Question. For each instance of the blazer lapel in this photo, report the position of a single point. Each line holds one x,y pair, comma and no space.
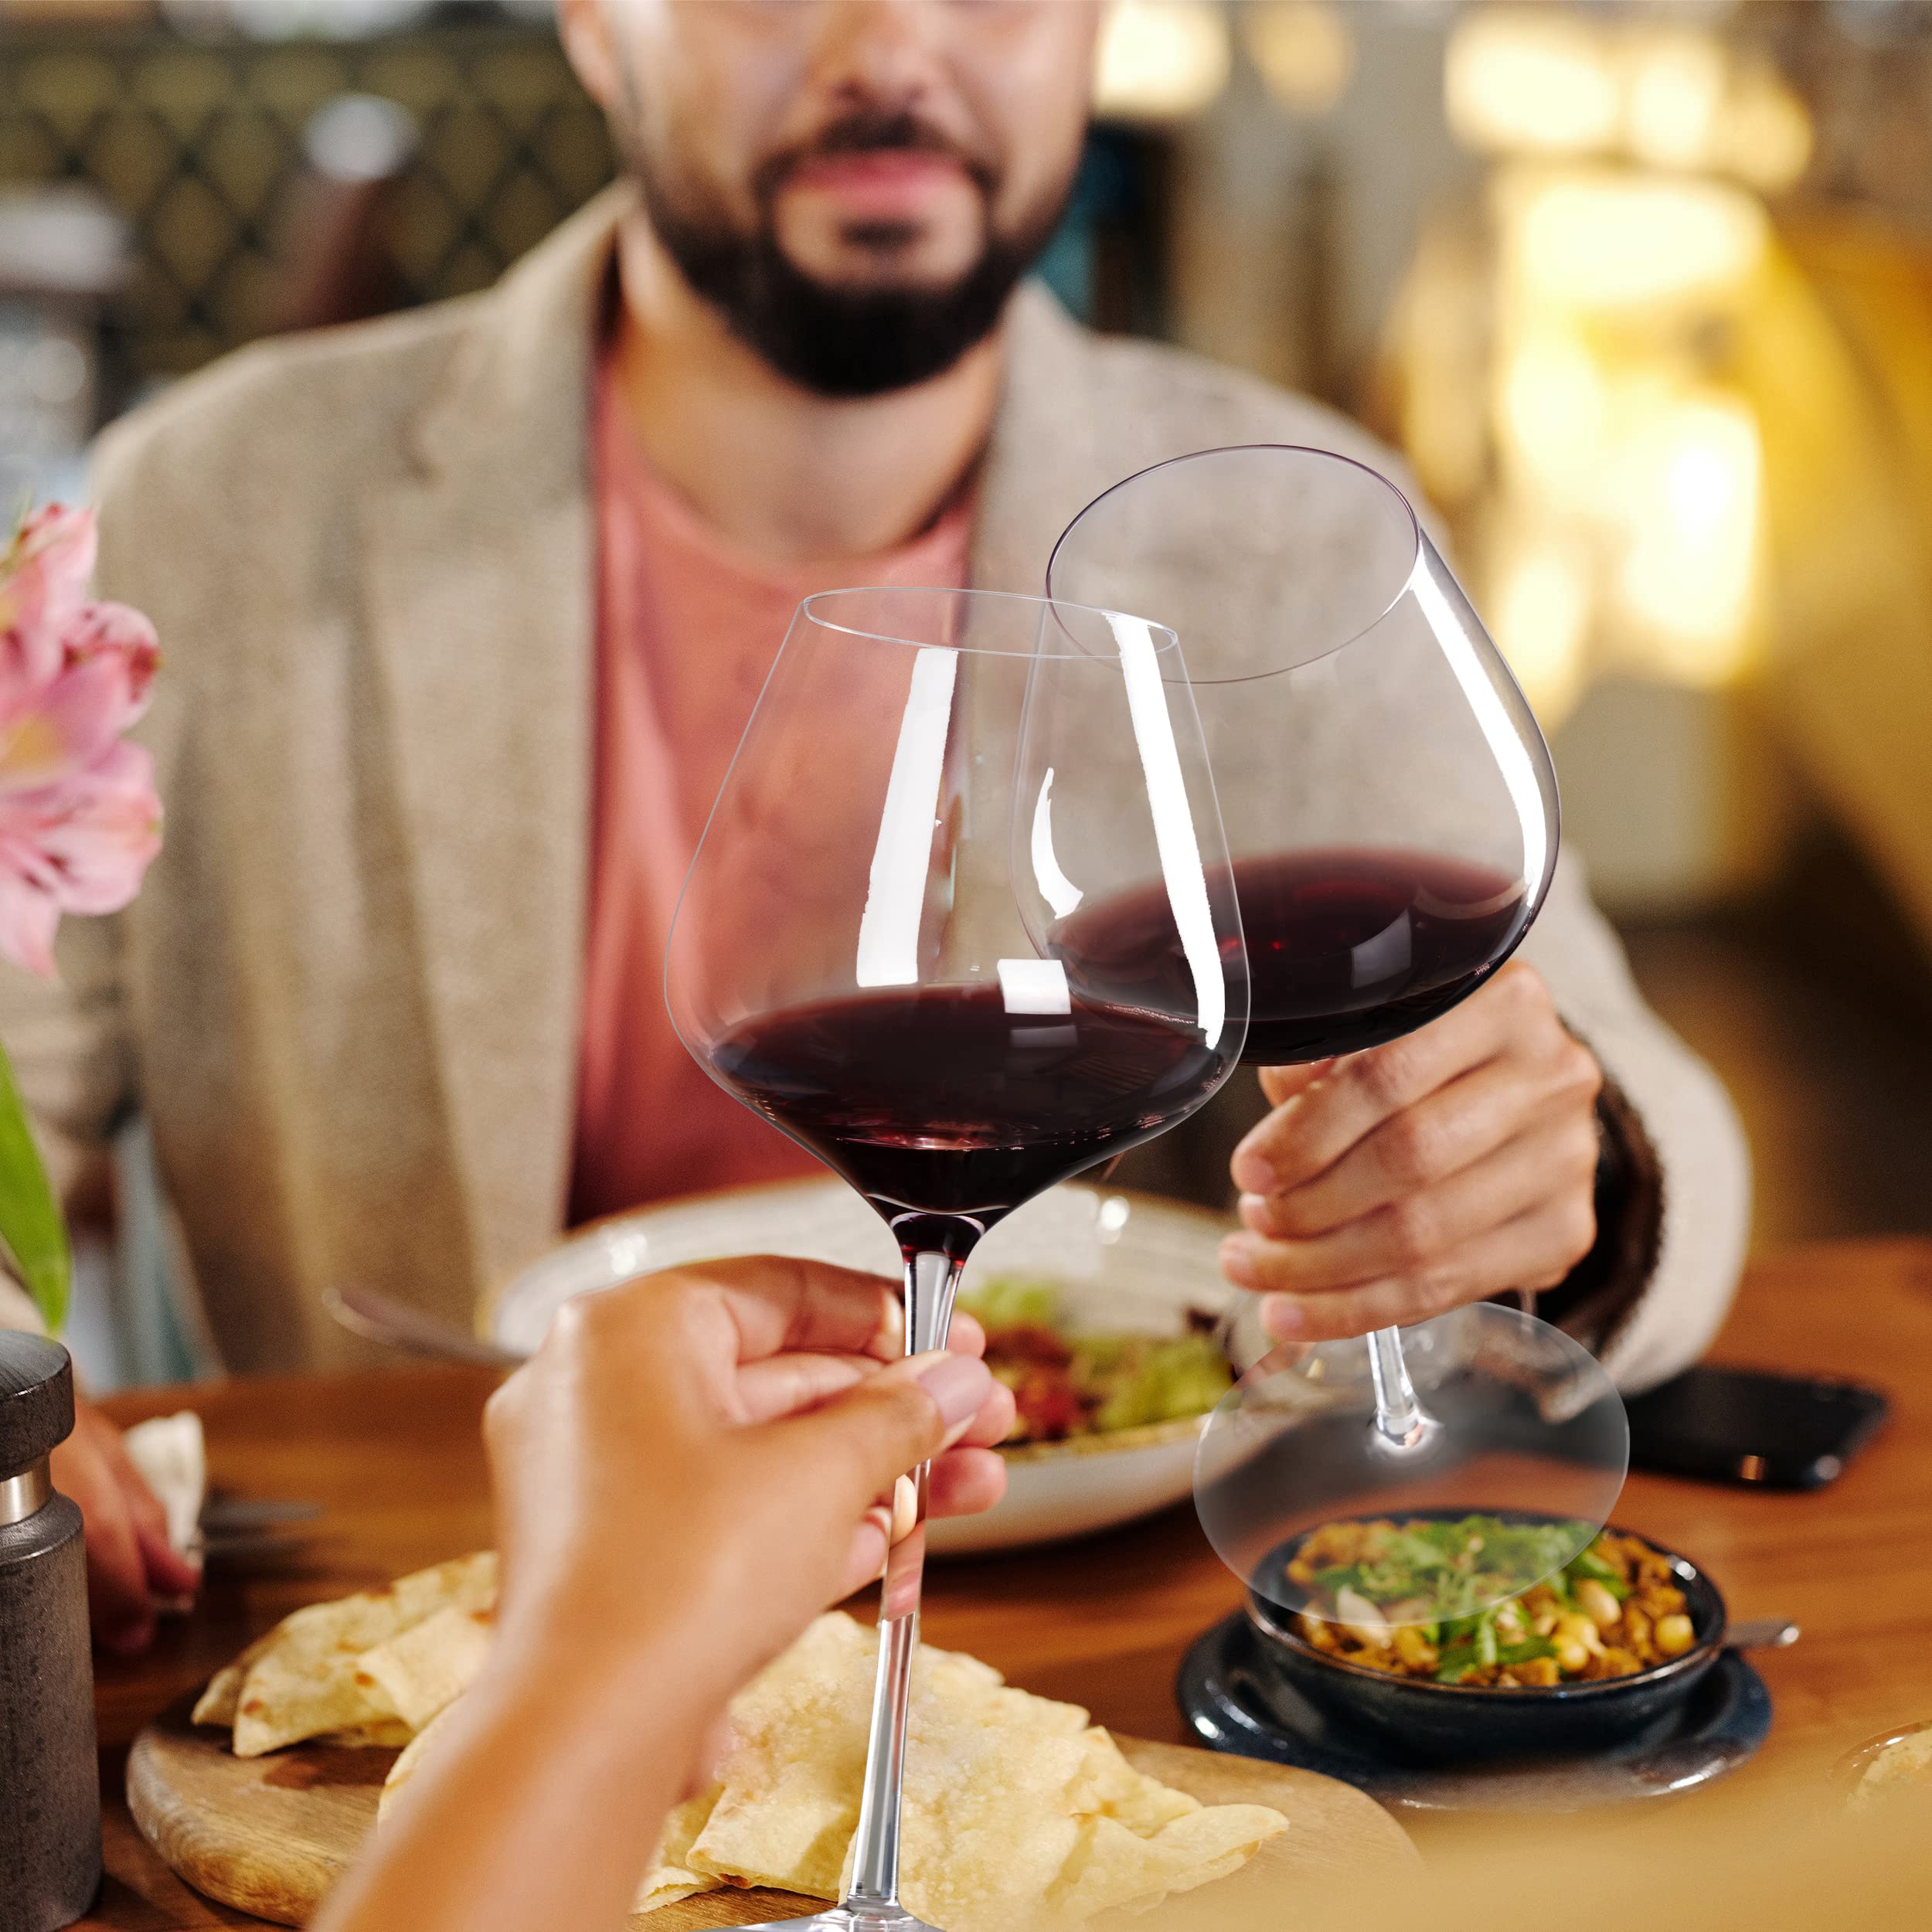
480,574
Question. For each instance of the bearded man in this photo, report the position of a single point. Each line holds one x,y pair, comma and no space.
465,610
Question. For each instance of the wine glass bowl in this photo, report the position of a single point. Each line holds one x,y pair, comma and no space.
930,777
1392,818
850,957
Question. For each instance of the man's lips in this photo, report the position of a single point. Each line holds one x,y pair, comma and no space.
879,183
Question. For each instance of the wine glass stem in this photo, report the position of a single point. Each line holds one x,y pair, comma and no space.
1398,1414
932,1279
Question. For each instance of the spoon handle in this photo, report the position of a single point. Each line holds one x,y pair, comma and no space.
1762,1633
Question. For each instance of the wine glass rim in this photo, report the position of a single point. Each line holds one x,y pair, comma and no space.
1401,589
1160,635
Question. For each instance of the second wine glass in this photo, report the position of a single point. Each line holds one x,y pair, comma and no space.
929,777
1392,812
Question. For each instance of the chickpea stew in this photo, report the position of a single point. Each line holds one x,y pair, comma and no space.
1393,1596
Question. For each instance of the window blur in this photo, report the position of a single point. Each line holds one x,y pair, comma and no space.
1642,293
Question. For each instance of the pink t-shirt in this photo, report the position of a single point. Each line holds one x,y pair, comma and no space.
686,631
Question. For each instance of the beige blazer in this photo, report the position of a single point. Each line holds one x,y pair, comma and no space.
347,1000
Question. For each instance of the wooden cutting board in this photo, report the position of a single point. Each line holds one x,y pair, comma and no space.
270,1835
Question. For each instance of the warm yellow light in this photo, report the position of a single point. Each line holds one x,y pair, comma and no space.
1554,407
1766,137
1159,60
1303,50
1520,81
1677,87
1540,616
1610,242
1526,81
1690,485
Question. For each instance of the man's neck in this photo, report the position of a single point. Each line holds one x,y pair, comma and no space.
784,475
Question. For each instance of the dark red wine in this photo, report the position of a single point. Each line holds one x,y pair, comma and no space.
1347,947
937,1099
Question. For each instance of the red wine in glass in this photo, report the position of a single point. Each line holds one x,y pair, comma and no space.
1347,947
937,1099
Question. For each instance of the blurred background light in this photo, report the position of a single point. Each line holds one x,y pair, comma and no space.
1161,60
1305,51
1689,483
1535,82
1612,241
1524,81
1676,85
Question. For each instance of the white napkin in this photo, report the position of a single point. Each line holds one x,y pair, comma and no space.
172,1459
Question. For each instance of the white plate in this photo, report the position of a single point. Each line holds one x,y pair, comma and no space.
1125,1261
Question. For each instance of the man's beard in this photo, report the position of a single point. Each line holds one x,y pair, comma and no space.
833,341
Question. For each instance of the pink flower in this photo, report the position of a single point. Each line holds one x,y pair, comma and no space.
78,819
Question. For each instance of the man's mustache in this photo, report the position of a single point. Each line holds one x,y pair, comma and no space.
861,133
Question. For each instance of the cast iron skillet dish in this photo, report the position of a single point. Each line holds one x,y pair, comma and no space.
1462,1689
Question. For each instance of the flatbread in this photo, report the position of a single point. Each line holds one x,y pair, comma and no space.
420,1670
1018,1813
406,1765
306,1680
218,1703
1145,1841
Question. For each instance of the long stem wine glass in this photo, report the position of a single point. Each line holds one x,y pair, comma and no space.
1392,814
929,776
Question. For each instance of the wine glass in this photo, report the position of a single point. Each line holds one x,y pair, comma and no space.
929,774
1392,813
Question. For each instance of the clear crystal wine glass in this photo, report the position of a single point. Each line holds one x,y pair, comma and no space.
928,776
1391,812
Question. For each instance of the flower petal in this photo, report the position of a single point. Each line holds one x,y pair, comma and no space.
102,844
73,723
120,631
44,571
28,921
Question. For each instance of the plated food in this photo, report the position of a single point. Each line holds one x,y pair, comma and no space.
1895,1766
1019,1812
1438,1695
1069,1380
1391,1597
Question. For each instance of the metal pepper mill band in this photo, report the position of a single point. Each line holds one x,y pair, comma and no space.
49,1781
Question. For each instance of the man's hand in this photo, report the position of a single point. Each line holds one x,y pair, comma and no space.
1442,1168
131,1568
708,1455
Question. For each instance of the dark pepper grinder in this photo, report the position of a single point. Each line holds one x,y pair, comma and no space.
50,1781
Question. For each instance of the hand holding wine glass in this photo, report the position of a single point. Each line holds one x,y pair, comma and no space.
1456,1163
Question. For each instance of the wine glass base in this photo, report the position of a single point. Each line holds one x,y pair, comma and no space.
849,1918
1516,1420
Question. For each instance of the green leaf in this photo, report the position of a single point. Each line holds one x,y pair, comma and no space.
1527,1651
31,1225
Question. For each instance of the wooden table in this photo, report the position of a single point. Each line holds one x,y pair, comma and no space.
395,1457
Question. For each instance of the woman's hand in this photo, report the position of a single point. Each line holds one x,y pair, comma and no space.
1442,1168
687,1471
131,1566
719,1444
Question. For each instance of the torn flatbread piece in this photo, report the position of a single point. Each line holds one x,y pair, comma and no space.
307,1679
420,1670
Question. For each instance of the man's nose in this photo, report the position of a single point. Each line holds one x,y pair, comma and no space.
882,52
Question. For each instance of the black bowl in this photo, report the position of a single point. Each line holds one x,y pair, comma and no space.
1432,1723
